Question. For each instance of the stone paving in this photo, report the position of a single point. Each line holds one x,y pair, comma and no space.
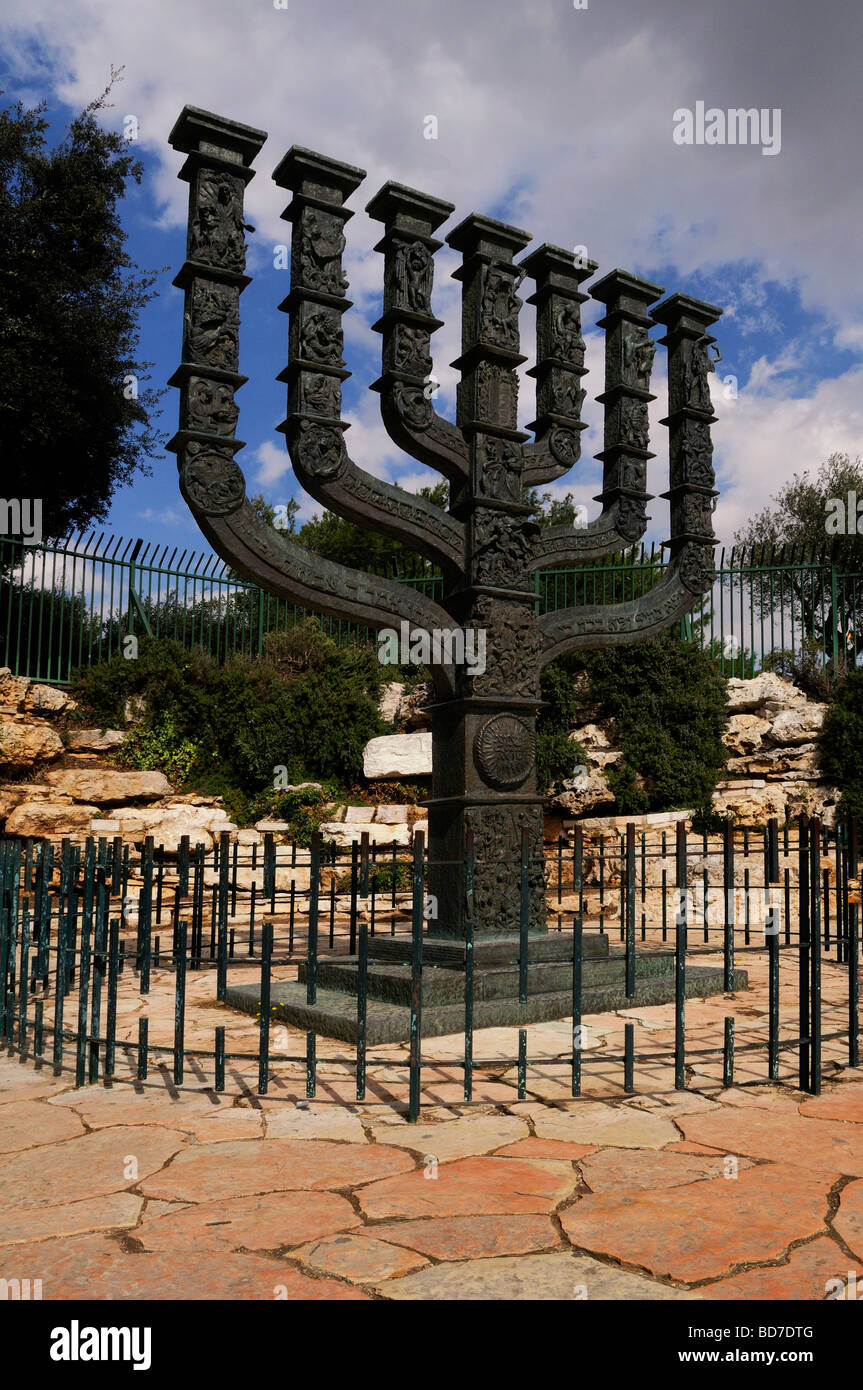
149,1191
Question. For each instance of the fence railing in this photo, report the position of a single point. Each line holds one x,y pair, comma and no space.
76,603
115,961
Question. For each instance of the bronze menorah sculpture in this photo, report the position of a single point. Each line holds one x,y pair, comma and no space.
486,545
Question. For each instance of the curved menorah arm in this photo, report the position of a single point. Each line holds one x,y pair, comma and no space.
629,355
326,471
316,369
615,529
406,384
685,581
268,558
691,494
219,155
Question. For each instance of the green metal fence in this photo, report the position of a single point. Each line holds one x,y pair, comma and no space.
77,602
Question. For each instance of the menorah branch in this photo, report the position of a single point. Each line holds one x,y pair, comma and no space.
683,584
314,428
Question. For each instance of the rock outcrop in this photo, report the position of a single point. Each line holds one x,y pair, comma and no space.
773,765
398,755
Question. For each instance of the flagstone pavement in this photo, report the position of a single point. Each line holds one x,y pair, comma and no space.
149,1191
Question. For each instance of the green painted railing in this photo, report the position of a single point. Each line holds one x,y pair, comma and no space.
76,603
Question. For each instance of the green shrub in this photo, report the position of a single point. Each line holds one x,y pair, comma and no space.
163,747
667,699
557,755
842,743
306,705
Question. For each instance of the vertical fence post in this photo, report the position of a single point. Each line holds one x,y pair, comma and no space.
113,970
415,1062
264,1029
630,910
680,962
728,893
222,938
352,929
180,1003
853,988
312,960
803,946
362,1007
468,967
773,997
815,954
59,991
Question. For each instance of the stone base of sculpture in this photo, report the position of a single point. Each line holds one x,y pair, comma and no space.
495,986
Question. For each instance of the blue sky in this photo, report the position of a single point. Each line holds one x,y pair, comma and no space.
558,120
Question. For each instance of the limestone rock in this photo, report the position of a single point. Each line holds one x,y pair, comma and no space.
13,689
398,755
50,819
135,709
583,793
22,745
97,784
596,740
168,824
47,699
94,740
799,725
391,698
745,732
801,761
751,804
412,712
342,834
747,695
391,815
592,737
13,793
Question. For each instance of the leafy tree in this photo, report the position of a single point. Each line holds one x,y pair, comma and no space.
550,511
74,417
336,539
797,519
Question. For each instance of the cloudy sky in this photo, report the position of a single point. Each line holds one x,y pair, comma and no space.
558,119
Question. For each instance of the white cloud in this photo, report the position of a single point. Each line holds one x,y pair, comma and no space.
556,119
270,462
765,436
563,116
